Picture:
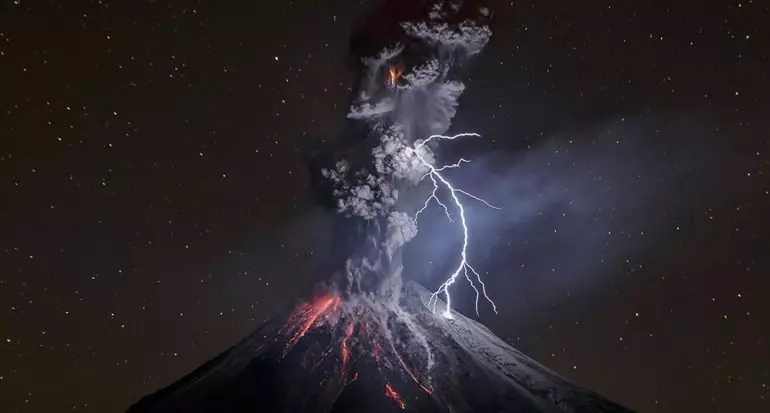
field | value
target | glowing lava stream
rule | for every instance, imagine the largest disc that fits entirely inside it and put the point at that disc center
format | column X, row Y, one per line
column 345, row 350
column 464, row 266
column 313, row 312
column 395, row 396
column 326, row 310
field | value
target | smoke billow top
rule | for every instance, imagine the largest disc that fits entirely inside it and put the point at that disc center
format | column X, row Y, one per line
column 408, row 90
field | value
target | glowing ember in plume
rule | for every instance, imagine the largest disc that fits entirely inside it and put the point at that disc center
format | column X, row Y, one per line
column 464, row 266
column 394, row 73
column 395, row 396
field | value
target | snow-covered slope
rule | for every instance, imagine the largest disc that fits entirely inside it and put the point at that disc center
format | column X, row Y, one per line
column 355, row 354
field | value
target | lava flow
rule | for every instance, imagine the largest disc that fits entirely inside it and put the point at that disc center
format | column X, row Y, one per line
column 357, row 328
column 345, row 351
column 395, row 396
column 308, row 314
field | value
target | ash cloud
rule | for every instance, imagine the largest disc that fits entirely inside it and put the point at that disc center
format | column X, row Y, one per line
column 410, row 58
column 424, row 100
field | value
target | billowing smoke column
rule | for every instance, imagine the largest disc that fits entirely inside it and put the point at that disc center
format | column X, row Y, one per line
column 406, row 99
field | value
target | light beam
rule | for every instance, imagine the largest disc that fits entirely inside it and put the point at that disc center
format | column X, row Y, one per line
column 464, row 266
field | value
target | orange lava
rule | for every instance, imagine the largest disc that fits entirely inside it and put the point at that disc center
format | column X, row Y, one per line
column 425, row 389
column 395, row 396
column 310, row 314
column 323, row 310
column 345, row 350
column 394, row 73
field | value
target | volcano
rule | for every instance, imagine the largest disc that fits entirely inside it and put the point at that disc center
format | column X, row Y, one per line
column 357, row 354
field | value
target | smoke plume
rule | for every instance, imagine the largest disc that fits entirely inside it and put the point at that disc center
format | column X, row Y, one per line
column 408, row 90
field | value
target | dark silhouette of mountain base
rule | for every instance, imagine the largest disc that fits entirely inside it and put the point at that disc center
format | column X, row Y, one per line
column 358, row 355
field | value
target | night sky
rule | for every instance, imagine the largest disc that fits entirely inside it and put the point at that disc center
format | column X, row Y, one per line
column 156, row 203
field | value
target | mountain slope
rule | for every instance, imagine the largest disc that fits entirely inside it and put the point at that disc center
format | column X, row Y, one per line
column 357, row 354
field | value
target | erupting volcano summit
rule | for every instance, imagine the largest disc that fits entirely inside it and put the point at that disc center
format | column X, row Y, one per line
column 368, row 341
column 360, row 355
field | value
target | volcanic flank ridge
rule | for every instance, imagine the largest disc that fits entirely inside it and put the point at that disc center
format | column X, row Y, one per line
column 356, row 354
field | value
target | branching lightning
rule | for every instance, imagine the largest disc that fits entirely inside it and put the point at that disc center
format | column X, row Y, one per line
column 464, row 266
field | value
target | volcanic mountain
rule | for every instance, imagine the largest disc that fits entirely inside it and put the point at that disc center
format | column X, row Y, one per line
column 357, row 354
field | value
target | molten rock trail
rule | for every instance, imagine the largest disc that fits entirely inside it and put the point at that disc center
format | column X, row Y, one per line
column 356, row 355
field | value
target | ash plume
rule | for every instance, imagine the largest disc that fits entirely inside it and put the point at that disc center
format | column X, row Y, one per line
column 410, row 61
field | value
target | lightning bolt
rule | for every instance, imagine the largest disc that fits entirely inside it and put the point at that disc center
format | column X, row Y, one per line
column 464, row 266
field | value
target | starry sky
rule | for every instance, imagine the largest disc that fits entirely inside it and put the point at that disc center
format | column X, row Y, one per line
column 156, row 202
